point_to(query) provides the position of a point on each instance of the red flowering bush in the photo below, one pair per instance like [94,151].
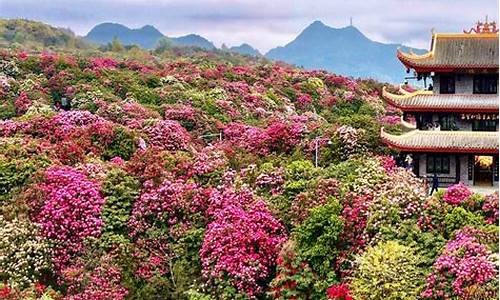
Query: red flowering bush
[22,103]
[338,292]
[387,162]
[241,244]
[294,278]
[99,63]
[68,211]
[457,193]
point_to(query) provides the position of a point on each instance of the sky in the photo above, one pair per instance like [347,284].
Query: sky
[264,24]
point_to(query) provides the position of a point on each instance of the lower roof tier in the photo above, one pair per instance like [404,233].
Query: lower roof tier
[443,141]
[426,101]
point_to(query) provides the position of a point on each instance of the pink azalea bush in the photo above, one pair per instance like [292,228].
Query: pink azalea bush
[68,212]
[490,208]
[457,193]
[465,262]
[100,283]
[241,244]
[165,204]
[168,135]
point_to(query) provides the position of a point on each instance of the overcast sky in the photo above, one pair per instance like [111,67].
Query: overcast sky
[264,24]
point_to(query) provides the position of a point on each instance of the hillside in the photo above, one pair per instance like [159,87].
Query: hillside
[25,34]
[342,50]
[190,174]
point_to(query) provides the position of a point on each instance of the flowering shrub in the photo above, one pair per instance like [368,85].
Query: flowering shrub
[166,204]
[294,277]
[168,135]
[24,255]
[68,212]
[351,140]
[456,193]
[465,262]
[241,247]
[490,208]
[100,283]
[339,292]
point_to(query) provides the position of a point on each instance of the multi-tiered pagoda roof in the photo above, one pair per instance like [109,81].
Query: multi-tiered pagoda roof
[443,141]
[452,52]
[472,52]
[426,101]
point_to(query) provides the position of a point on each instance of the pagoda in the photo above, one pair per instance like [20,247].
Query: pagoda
[452,125]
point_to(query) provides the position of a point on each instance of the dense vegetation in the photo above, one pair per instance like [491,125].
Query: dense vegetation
[169,175]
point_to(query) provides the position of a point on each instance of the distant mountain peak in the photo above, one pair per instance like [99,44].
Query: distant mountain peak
[245,49]
[147,36]
[344,50]
[317,23]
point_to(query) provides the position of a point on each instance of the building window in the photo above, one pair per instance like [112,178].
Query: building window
[485,84]
[484,125]
[438,163]
[448,122]
[447,84]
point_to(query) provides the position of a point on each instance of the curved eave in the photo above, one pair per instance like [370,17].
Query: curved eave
[394,141]
[400,101]
[425,64]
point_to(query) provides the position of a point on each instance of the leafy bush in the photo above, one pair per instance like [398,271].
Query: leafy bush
[317,238]
[120,190]
[388,271]
[459,217]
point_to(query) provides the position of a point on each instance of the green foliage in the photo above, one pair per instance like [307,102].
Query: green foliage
[317,238]
[37,35]
[298,173]
[388,271]
[120,191]
[123,144]
[428,245]
[17,166]
[357,174]
[458,218]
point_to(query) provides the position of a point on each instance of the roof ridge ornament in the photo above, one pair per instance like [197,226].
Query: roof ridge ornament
[483,27]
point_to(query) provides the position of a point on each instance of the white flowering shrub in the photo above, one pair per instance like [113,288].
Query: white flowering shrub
[24,254]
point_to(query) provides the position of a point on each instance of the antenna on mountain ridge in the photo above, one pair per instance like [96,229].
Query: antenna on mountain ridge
[350,21]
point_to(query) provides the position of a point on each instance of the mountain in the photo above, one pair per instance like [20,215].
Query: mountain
[245,49]
[146,36]
[344,51]
[193,40]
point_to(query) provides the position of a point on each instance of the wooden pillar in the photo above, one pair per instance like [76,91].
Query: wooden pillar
[457,167]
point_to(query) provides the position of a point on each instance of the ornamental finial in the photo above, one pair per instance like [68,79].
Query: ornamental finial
[483,27]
